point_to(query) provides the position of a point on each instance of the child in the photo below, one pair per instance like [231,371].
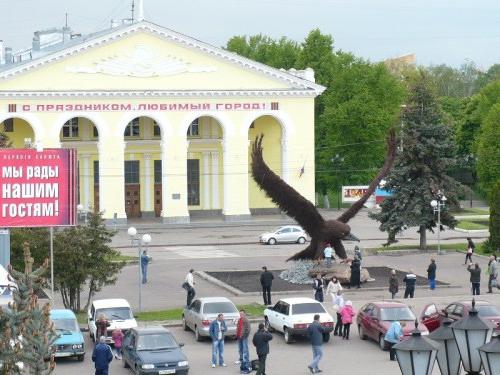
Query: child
[338,304]
[117,337]
[328,253]
[347,313]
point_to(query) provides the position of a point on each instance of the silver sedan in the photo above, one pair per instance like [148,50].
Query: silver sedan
[287,233]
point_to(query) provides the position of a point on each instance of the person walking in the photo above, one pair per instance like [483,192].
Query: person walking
[492,272]
[102,356]
[470,250]
[217,330]
[393,335]
[102,325]
[189,286]
[117,337]
[328,253]
[393,284]
[145,259]
[333,287]
[475,279]
[242,333]
[266,281]
[410,281]
[431,274]
[355,273]
[261,340]
[347,313]
[318,288]
[315,332]
[338,304]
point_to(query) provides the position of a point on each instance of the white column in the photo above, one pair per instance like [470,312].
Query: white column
[215,180]
[205,199]
[148,201]
[85,182]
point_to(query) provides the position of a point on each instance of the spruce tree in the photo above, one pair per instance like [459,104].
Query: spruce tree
[420,170]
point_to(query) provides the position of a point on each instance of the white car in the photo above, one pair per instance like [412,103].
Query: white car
[292,316]
[287,233]
[118,313]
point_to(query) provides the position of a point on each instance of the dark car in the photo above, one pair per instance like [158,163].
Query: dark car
[375,318]
[153,350]
[432,317]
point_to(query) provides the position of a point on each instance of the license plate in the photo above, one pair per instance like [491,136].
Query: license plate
[171,371]
[59,354]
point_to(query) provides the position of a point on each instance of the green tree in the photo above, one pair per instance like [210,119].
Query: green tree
[420,169]
[488,150]
[493,242]
[38,238]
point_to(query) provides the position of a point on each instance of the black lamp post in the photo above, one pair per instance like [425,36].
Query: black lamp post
[416,356]
[470,333]
[448,355]
[490,356]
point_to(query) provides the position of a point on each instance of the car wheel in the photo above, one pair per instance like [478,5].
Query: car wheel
[271,241]
[197,335]
[124,362]
[326,337]
[361,332]
[301,240]
[81,357]
[184,324]
[381,342]
[287,335]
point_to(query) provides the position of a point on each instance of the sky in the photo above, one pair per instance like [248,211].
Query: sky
[437,31]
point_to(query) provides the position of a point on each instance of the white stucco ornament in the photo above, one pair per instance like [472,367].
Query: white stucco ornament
[142,62]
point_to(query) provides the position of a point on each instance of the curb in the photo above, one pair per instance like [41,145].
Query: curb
[472,230]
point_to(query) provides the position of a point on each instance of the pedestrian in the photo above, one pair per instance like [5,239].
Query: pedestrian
[475,278]
[102,356]
[355,273]
[328,252]
[431,274]
[393,335]
[338,304]
[261,342]
[242,333]
[410,280]
[318,288]
[493,273]
[189,286]
[217,331]
[102,325]
[117,337]
[347,314]
[333,287]
[358,252]
[266,281]
[393,284]
[315,332]
[145,259]
[470,249]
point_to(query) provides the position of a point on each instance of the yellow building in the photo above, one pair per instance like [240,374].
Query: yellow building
[163,123]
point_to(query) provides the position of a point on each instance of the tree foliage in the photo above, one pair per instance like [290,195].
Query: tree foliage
[493,242]
[488,150]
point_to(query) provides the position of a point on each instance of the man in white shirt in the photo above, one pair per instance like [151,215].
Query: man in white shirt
[189,280]
[328,252]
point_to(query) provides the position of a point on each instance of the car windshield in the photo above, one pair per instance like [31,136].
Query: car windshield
[156,341]
[115,313]
[487,310]
[307,308]
[66,325]
[219,308]
[396,313]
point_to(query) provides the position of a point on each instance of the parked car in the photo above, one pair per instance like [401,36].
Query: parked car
[432,317]
[203,311]
[375,318]
[292,316]
[116,310]
[70,342]
[153,350]
[288,233]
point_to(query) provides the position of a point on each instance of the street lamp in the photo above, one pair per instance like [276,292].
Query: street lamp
[437,205]
[417,355]
[470,333]
[448,355]
[490,356]
[82,212]
[140,242]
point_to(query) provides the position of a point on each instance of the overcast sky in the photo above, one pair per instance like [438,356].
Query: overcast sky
[437,31]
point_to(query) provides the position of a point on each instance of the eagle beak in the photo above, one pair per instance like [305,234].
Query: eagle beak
[351,237]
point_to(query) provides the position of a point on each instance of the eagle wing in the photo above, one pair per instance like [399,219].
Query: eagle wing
[287,198]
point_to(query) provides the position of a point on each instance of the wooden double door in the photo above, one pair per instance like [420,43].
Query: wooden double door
[133,200]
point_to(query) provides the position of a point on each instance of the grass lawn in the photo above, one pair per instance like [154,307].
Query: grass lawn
[125,258]
[471,211]
[444,246]
[472,224]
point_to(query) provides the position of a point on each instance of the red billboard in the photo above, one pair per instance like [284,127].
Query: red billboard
[37,188]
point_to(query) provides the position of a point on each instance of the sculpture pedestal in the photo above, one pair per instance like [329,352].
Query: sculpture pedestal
[342,271]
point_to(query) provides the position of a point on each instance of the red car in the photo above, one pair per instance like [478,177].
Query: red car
[375,318]
[432,317]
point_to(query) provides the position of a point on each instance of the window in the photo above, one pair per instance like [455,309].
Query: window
[70,128]
[450,309]
[459,310]
[95,132]
[157,171]
[430,310]
[196,306]
[219,308]
[132,171]
[133,129]
[156,130]
[156,341]
[285,309]
[115,313]
[96,172]
[193,182]
[193,130]
[8,125]
[396,313]
[308,308]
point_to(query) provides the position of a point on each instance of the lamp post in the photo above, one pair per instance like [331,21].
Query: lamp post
[417,355]
[448,355]
[140,242]
[437,204]
[490,356]
[82,213]
[470,333]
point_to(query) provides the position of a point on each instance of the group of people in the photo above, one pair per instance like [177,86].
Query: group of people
[102,354]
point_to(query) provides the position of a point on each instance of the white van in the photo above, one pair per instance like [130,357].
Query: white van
[118,313]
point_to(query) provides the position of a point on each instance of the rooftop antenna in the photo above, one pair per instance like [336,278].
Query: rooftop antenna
[133,6]
[140,10]
[66,20]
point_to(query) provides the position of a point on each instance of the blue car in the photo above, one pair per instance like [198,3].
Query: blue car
[70,342]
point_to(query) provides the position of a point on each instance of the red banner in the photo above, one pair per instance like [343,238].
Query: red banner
[37,188]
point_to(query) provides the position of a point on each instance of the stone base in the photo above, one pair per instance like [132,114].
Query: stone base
[265,211]
[205,213]
[341,271]
[175,220]
[118,221]
[148,214]
[237,217]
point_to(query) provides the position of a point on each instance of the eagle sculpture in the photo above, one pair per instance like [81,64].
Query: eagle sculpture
[303,211]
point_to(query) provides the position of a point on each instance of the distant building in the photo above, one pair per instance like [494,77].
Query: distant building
[401,63]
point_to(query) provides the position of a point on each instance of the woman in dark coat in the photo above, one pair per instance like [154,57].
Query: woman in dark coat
[393,284]
[355,273]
